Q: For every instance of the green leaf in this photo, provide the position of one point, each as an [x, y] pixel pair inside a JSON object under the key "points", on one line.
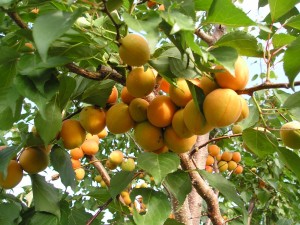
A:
{"points": [[6, 155], [10, 213], [293, 101], [280, 40], [291, 160], [259, 142], [179, 68], [243, 42], [252, 119], [8, 55], [65, 212], [179, 184], [8, 72], [44, 218], [158, 165], [198, 95], [119, 182], [225, 12], [226, 188], [48, 27], [172, 222], [66, 87], [48, 124], [294, 22], [226, 56], [60, 160], [279, 7], [78, 216], [45, 196], [203, 5], [290, 61], [158, 207]]}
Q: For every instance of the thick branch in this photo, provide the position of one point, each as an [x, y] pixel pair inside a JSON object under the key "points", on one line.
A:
{"points": [[17, 19], [203, 190], [100, 168], [219, 31]]}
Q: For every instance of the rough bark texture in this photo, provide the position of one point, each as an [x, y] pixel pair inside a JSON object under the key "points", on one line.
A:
{"points": [[182, 213]]}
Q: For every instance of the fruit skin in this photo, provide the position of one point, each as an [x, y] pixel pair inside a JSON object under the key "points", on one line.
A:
{"points": [[209, 160], [222, 107], [179, 126], [102, 134], [238, 170], [13, 177], [209, 169], [72, 133], [33, 160], [126, 96], [213, 150], [118, 119], [236, 156], [290, 134], [180, 94], [148, 136], [134, 50], [76, 153], [223, 166], [161, 110], [127, 200], [113, 97], [138, 109], [98, 178], [75, 163], [79, 173], [92, 119], [116, 157], [207, 85], [140, 83], [164, 85], [176, 143], [93, 137], [90, 147], [194, 119], [237, 129], [236, 81], [110, 165], [128, 164], [232, 165], [245, 110], [161, 150], [226, 156]]}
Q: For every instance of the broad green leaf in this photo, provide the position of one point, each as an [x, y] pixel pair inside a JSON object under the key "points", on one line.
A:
{"points": [[243, 42], [6, 155], [291, 160], [102, 194], [226, 56], [48, 27], [259, 142], [293, 101], [280, 40], [60, 160], [8, 72], [113, 4], [66, 87], [44, 218], [225, 12], [198, 95], [48, 122], [226, 188], [64, 211], [79, 216], [290, 62], [158, 165], [294, 22], [280, 7], [203, 5], [10, 213], [45, 195], [179, 68], [8, 54], [119, 182], [252, 119], [179, 184], [158, 207]]}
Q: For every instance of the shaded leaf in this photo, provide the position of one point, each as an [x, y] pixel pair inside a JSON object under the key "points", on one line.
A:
{"points": [[44, 218], [119, 182], [6, 155], [172, 222], [66, 87], [78, 216], [226, 56], [279, 7], [293, 101], [198, 95], [10, 213], [8, 55], [294, 22], [8, 72], [179, 68], [291, 160]]}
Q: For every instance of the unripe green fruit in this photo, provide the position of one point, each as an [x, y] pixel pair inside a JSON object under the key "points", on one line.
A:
{"points": [[237, 129], [128, 164], [290, 134], [98, 178]]}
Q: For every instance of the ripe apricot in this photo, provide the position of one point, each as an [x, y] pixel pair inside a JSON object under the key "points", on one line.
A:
{"points": [[176, 143], [232, 165], [90, 147], [213, 150], [127, 200], [128, 164], [218, 157], [33, 160], [245, 109], [164, 85], [180, 94], [194, 119], [79, 173], [92, 137], [161, 110], [118, 119], [102, 134], [223, 166], [134, 50], [290, 134], [236, 156], [116, 157], [179, 126], [75, 163], [236, 81], [126, 96], [113, 97], [161, 150], [13, 177], [238, 170], [161, 7], [140, 83], [207, 85], [138, 109], [76, 153], [148, 136], [226, 156], [222, 107], [151, 4], [92, 119], [209, 160], [72, 133], [209, 169], [110, 165], [124, 193]]}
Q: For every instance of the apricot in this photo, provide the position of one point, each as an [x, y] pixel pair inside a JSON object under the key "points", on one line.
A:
{"points": [[180, 94], [161, 150], [209, 160], [90, 147], [116, 157], [92, 119], [33, 160], [179, 126], [103, 184], [236, 156], [102, 134], [238, 170], [98, 178], [134, 50], [113, 97], [176, 143], [93, 137], [128, 164], [245, 110], [222, 107], [237, 129], [124, 193], [75, 163], [138, 109], [76, 153], [13, 177], [213, 150], [226, 156], [127, 200], [148, 136], [110, 165], [236, 81], [207, 85], [164, 85], [126, 96], [161, 7], [218, 157], [232, 165], [290, 134], [140, 83], [118, 119], [72, 133], [79, 173], [194, 119], [223, 166], [209, 169], [151, 4], [161, 110]]}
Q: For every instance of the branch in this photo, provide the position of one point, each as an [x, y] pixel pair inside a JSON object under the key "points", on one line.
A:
{"points": [[105, 72], [100, 168], [203, 190], [117, 26], [101, 208], [211, 39], [17, 19]]}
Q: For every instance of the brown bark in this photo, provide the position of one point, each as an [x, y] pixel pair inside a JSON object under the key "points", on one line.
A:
{"points": [[182, 214]]}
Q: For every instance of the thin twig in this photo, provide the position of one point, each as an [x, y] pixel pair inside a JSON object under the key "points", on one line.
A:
{"points": [[101, 208], [17, 19], [234, 218], [117, 26]]}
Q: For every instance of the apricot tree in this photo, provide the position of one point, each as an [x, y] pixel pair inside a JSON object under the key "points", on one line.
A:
{"points": [[149, 112]]}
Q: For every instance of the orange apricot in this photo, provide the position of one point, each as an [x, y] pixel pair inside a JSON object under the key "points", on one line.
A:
{"points": [[113, 97], [180, 94], [232, 165], [92, 119], [209, 160], [207, 85], [75, 163], [245, 110], [72, 133], [209, 169], [126, 96], [164, 85], [13, 177], [94, 137], [236, 156], [179, 126], [226, 156], [213, 150], [138, 109], [33, 160], [90, 147], [102, 134], [238, 170], [76, 153]]}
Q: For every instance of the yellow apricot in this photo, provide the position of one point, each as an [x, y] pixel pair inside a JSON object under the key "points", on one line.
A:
{"points": [[116, 157], [13, 177], [226, 156], [127, 200], [72, 133], [232, 165], [161, 150], [138, 109], [290, 134], [236, 156], [79, 173], [90, 147], [237, 129], [98, 178], [222, 107], [126, 96], [92, 119], [110, 165], [33, 160], [180, 94], [102, 134], [179, 126], [128, 164], [207, 85], [238, 170], [93, 137], [76, 153], [245, 110], [223, 166]]}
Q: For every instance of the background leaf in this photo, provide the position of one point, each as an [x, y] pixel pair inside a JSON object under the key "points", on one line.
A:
{"points": [[119, 182], [291, 160], [10, 213], [44, 218], [6, 155], [280, 7]]}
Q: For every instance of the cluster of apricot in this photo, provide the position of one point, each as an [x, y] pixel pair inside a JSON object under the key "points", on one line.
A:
{"points": [[116, 158], [225, 161]]}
